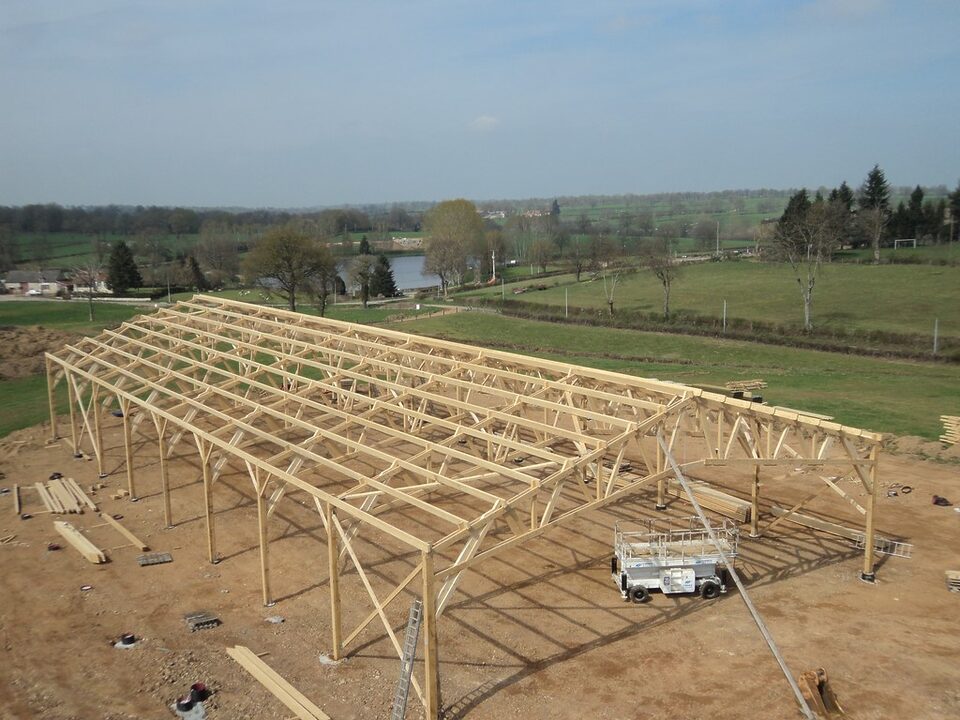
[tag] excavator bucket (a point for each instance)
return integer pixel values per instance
(816, 690)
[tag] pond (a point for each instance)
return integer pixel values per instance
(408, 272)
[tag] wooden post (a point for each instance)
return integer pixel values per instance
(431, 662)
(97, 431)
(72, 399)
(661, 482)
(208, 500)
(755, 504)
(164, 472)
(868, 574)
(261, 487)
(51, 401)
(128, 446)
(333, 560)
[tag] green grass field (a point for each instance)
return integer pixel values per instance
(892, 298)
(882, 395)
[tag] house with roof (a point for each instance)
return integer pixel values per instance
(38, 282)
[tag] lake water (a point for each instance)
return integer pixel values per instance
(408, 272)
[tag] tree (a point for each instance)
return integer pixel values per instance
(658, 258)
(874, 203)
(287, 261)
(541, 251)
(8, 248)
(453, 227)
(805, 237)
(197, 278)
(555, 211)
(87, 276)
(383, 282)
(954, 212)
(364, 248)
(217, 252)
(122, 271)
(915, 225)
(361, 275)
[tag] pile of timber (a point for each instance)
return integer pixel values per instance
(745, 385)
(282, 690)
(712, 499)
(63, 495)
(951, 429)
(80, 542)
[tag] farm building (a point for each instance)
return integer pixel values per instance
(444, 454)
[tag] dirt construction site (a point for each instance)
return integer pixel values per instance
(309, 493)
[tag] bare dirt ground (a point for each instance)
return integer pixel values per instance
(22, 348)
(540, 632)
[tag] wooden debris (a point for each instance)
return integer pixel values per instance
(281, 689)
(16, 499)
(8, 538)
(953, 580)
(951, 429)
(80, 542)
(745, 385)
(120, 494)
(134, 540)
(713, 499)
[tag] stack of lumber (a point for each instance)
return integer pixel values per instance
(62, 496)
(712, 499)
(282, 690)
(951, 429)
(80, 542)
(746, 385)
(953, 580)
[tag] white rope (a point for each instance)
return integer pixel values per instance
(736, 579)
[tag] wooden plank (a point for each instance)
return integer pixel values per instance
(134, 540)
(822, 525)
(80, 494)
(80, 542)
(280, 688)
(63, 496)
(16, 499)
(48, 500)
(715, 500)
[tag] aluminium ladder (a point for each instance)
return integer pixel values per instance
(406, 661)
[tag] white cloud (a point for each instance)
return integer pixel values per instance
(484, 123)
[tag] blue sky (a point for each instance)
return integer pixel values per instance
(293, 104)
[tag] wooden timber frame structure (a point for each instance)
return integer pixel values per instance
(457, 452)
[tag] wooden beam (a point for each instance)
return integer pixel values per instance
(296, 701)
(431, 662)
(80, 542)
(134, 540)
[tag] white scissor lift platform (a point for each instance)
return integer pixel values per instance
(666, 556)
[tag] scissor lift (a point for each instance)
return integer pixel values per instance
(673, 559)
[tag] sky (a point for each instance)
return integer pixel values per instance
(305, 104)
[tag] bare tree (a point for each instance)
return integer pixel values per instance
(361, 273)
(658, 258)
(806, 237)
(455, 229)
(87, 276)
(217, 252)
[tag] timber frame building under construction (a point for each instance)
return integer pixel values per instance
(456, 452)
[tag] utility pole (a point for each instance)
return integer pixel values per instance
(493, 264)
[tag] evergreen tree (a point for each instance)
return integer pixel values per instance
(197, 277)
(555, 211)
(915, 215)
(843, 195)
(122, 273)
(875, 191)
(364, 246)
(382, 281)
(874, 208)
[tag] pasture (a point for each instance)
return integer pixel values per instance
(890, 298)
